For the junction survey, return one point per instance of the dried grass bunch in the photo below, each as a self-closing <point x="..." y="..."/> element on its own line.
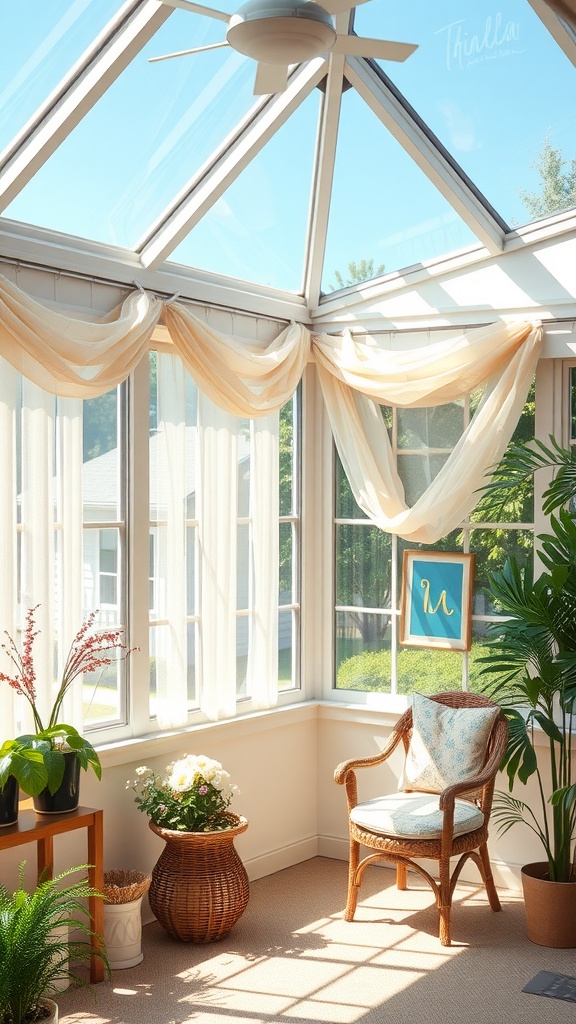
<point x="124" y="886"/>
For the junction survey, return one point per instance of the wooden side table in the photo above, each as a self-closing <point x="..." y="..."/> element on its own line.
<point x="41" y="829"/>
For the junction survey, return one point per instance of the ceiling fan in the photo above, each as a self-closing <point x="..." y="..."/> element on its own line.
<point x="277" y="33"/>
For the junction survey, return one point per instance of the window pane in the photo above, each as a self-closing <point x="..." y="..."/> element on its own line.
<point x="428" y="671"/>
<point x="286" y="452"/>
<point x="346" y="507"/>
<point x="101" y="695"/>
<point x="438" y="427"/>
<point x="243" y="567"/>
<point x="102" y="463"/>
<point x="242" y="640"/>
<point x="286" y="548"/>
<point x="363" y="566"/>
<point x="477" y="679"/>
<point x="417" y="473"/>
<point x="492" y="548"/>
<point x="363" y="660"/>
<point x="285" y="650"/>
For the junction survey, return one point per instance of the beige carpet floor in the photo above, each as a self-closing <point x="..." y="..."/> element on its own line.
<point x="292" y="959"/>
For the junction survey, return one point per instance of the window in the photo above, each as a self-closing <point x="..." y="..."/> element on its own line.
<point x="368" y="562"/>
<point x="211" y="490"/>
<point x="187" y="572"/>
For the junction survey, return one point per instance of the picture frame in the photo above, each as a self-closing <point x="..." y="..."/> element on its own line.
<point x="436" y="604"/>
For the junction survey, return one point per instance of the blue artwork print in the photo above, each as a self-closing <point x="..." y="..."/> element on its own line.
<point x="436" y="599"/>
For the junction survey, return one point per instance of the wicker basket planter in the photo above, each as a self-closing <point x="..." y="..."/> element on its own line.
<point x="199" y="885"/>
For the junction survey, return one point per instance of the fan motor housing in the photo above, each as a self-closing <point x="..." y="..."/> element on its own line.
<point x="285" y="32"/>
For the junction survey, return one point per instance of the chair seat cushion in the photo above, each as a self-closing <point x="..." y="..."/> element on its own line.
<point x="414" y="816"/>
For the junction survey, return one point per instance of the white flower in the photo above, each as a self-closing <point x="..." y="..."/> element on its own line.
<point x="143" y="770"/>
<point x="181" y="778"/>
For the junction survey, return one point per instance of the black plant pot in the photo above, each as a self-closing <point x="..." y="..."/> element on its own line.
<point x="9" y="802"/>
<point x="67" y="796"/>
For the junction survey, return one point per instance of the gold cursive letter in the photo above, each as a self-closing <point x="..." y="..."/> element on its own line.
<point x="428" y="607"/>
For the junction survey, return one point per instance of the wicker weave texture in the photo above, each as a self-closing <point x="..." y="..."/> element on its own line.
<point x="410" y="852"/>
<point x="199" y="885"/>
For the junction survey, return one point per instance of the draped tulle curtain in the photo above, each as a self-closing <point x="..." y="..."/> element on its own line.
<point x="356" y="376"/>
<point x="170" y="478"/>
<point x="41" y="533"/>
<point x="81" y="358"/>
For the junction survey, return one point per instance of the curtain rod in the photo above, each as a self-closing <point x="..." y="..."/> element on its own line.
<point x="446" y="327"/>
<point x="78" y="275"/>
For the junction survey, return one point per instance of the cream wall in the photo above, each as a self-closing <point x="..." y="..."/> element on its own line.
<point x="283" y="763"/>
<point x="272" y="760"/>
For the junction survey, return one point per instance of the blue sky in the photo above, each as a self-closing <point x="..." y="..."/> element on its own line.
<point x="487" y="78"/>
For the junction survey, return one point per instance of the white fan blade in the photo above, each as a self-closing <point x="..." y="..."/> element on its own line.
<point x="183" y="53"/>
<point x="355" y="46"/>
<point x="270" y="78"/>
<point x="337" y="6"/>
<point x="210" y="12"/>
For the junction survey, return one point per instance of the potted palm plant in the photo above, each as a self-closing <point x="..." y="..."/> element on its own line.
<point x="33" y="955"/>
<point x="531" y="672"/>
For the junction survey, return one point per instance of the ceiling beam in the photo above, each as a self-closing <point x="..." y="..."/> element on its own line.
<point x="322" y="184"/>
<point x="561" y="31"/>
<point x="100" y="65"/>
<point x="427" y="152"/>
<point x="226" y="163"/>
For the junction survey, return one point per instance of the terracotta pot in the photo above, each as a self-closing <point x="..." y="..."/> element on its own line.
<point x="9" y="802"/>
<point x="199" y="885"/>
<point x="550" y="908"/>
<point x="67" y="796"/>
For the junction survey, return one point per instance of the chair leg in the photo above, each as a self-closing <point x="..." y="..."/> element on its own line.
<point x="401" y="875"/>
<point x="444" y="903"/>
<point x="353" y="885"/>
<point x="486" y="872"/>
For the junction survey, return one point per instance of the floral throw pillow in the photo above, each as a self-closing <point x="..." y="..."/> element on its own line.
<point x="448" y="745"/>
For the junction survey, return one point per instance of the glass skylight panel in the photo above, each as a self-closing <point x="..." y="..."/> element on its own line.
<point x="257" y="230"/>
<point x="494" y="87"/>
<point x="144" y="140"/>
<point x="39" y="43"/>
<point x="385" y="214"/>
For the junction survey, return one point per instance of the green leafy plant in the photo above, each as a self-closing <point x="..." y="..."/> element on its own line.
<point x="33" y="956"/>
<point x="192" y="796"/>
<point x="91" y="649"/>
<point x="24" y="759"/>
<point x="532" y="660"/>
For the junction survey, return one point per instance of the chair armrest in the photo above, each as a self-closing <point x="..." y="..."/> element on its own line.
<point x="485" y="776"/>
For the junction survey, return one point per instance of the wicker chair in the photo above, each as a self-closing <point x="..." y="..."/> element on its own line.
<point x="477" y="791"/>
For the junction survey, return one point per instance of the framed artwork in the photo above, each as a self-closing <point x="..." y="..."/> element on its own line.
<point x="436" y="606"/>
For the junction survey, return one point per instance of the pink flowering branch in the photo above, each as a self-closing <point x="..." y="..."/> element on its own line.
<point x="90" y="650"/>
<point x="24" y="680"/>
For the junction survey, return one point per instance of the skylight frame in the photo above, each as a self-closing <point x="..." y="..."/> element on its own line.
<point x="114" y="48"/>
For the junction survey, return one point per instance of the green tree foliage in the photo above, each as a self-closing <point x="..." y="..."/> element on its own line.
<point x="357" y="273"/>
<point x="558" y="185"/>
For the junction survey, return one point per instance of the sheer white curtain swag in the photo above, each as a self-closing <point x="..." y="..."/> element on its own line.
<point x="70" y="356"/>
<point x="356" y="375"/>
